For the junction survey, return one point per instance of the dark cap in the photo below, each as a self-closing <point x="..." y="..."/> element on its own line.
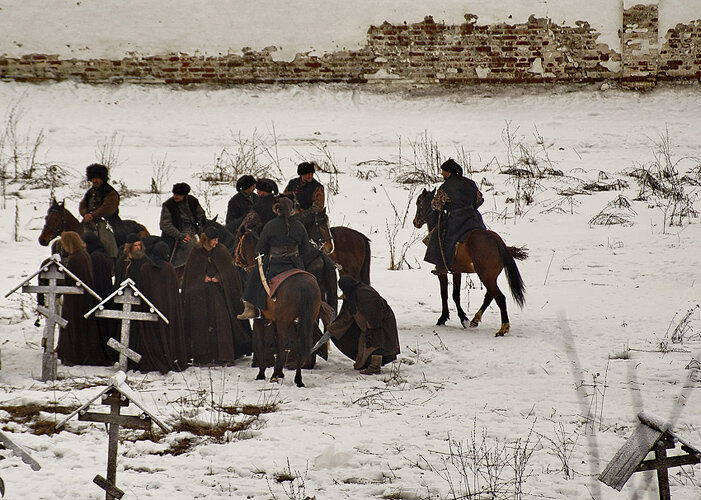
<point x="305" y="168"/>
<point x="96" y="171"/>
<point x="132" y="238"/>
<point x="181" y="188"/>
<point x="452" y="166"/>
<point x="244" y="182"/>
<point x="267" y="185"/>
<point x="211" y="232"/>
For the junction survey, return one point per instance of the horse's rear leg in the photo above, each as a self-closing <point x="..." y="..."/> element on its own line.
<point x="499" y="298"/>
<point x="478" y="315"/>
<point x="457" y="278"/>
<point x="443" y="280"/>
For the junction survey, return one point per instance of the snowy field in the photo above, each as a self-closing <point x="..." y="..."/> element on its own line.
<point x="611" y="321"/>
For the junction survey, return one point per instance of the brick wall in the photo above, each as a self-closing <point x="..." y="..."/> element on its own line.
<point x="425" y="52"/>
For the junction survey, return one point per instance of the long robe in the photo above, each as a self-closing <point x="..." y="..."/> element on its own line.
<point x="162" y="346"/>
<point x="210" y="309"/>
<point x="79" y="343"/>
<point x="102" y="266"/>
<point x="370" y="326"/>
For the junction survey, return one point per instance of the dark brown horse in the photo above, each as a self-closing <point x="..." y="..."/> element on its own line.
<point x="294" y="313"/>
<point x="351" y="250"/>
<point x="58" y="219"/>
<point x="484" y="253"/>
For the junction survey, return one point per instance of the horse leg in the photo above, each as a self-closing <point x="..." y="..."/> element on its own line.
<point x="279" y="372"/>
<point x="445" y="314"/>
<point x="478" y="315"/>
<point x="457" y="278"/>
<point x="493" y="290"/>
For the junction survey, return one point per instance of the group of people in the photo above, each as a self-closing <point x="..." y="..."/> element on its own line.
<point x="192" y="279"/>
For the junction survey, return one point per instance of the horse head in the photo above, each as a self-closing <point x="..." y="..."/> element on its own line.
<point x="245" y="252"/>
<point x="423" y="207"/>
<point x="54" y="222"/>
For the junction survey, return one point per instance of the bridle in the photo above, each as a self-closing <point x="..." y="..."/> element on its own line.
<point x="62" y="221"/>
<point x="240" y="258"/>
<point x="422" y="209"/>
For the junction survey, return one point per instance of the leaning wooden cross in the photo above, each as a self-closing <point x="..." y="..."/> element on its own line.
<point x="53" y="271"/>
<point x="128" y="295"/>
<point x="117" y="395"/>
<point x="653" y="434"/>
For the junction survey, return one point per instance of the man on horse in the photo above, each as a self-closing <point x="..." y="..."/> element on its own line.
<point x="310" y="197"/>
<point x="100" y="206"/>
<point x="262" y="210"/>
<point x="282" y="242"/>
<point x="240" y="204"/>
<point x="182" y="219"/>
<point x="457" y="199"/>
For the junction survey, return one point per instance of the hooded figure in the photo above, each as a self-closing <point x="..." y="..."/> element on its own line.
<point x="79" y="342"/>
<point x="241" y="203"/>
<point x="457" y="199"/>
<point x="100" y="206"/>
<point x="365" y="329"/>
<point x="211" y="297"/>
<point x="182" y="219"/>
<point x="162" y="346"/>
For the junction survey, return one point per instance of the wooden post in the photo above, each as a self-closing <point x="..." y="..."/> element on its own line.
<point x="115" y="406"/>
<point x="662" y="472"/>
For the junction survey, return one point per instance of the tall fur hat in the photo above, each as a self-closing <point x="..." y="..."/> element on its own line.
<point x="244" y="182"/>
<point x="181" y="188"/>
<point x="305" y="168"/>
<point x="452" y="166"/>
<point x="267" y="185"/>
<point x="96" y="170"/>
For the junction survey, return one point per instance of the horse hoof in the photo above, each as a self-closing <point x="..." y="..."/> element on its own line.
<point x="503" y="330"/>
<point x="441" y="321"/>
<point x="260" y="376"/>
<point x="473" y="324"/>
<point x="300" y="384"/>
<point x="274" y="380"/>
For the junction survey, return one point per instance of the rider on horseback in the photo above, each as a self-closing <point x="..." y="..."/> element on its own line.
<point x="240" y="204"/>
<point x="182" y="219"/>
<point x="458" y="199"/>
<point x="310" y="196"/>
<point x="282" y="242"/>
<point x="100" y="206"/>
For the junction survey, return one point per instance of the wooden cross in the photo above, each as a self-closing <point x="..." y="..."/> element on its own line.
<point x="53" y="271"/>
<point x="128" y="295"/>
<point x="117" y="395"/>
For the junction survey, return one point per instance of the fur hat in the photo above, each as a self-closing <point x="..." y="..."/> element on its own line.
<point x="267" y="185"/>
<point x="181" y="188"/>
<point x="96" y="170"/>
<point x="305" y="168"/>
<point x="244" y="182"/>
<point x="452" y="166"/>
<point x="211" y="232"/>
<point x="283" y="206"/>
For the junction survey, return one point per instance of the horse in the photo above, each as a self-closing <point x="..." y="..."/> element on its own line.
<point x="294" y="312"/>
<point x="351" y="250"/>
<point x="484" y="253"/>
<point x="58" y="219"/>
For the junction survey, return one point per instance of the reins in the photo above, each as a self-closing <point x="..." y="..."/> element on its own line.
<point x="240" y="258"/>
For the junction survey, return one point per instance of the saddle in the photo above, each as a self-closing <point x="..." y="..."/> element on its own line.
<point x="277" y="280"/>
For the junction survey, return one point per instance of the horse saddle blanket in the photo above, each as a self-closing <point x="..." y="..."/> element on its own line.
<point x="277" y="280"/>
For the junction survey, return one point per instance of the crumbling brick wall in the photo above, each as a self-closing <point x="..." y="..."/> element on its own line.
<point x="680" y="56"/>
<point x="639" y="45"/>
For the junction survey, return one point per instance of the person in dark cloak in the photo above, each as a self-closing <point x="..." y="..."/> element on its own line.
<point x="182" y="219"/>
<point x="262" y="210"/>
<point x="282" y="242"/>
<point x="457" y="199"/>
<point x="211" y="297"/>
<point x="241" y="203"/>
<point x="130" y="261"/>
<point x="79" y="343"/>
<point x="365" y="329"/>
<point x="100" y="206"/>
<point x="162" y="345"/>
<point x="311" y="200"/>
<point x="102" y="267"/>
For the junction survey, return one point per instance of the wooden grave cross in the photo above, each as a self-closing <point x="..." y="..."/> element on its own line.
<point x="53" y="271"/>
<point x="653" y="434"/>
<point x="117" y="395"/>
<point x="128" y="295"/>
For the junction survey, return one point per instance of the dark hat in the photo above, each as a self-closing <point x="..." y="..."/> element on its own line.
<point x="347" y="283"/>
<point x="244" y="182"/>
<point x="159" y="254"/>
<point x="96" y="170"/>
<point x="267" y="185"/>
<point x="211" y="232"/>
<point x="182" y="188"/>
<point x="305" y="168"/>
<point x="92" y="242"/>
<point x="451" y="166"/>
<point x="132" y="238"/>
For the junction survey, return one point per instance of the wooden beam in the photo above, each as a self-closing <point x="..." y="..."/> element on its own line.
<point x="132" y="421"/>
<point x="133" y="355"/>
<point x="110" y="488"/>
<point x="130" y="315"/>
<point x="60" y="289"/>
<point x="673" y="461"/>
<point x="52" y="316"/>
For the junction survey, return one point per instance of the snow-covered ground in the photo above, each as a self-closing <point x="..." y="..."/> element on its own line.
<point x="594" y="340"/>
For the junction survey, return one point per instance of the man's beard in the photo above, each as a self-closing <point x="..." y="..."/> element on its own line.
<point x="137" y="254"/>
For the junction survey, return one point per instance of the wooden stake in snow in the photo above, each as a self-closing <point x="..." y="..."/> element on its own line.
<point x="128" y="295"/>
<point x="117" y="395"/>
<point x="52" y="271"/>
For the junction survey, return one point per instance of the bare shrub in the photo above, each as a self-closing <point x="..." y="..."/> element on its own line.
<point x="161" y="172"/>
<point x="108" y="150"/>
<point x="398" y="248"/>
<point x="562" y="445"/>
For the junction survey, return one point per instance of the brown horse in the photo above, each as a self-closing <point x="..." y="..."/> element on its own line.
<point x="58" y="219"/>
<point x="484" y="253"/>
<point x="294" y="312"/>
<point x="351" y="250"/>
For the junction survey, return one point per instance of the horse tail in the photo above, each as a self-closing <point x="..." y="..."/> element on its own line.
<point x="306" y="322"/>
<point x="513" y="276"/>
<point x="330" y="283"/>
<point x="365" y="268"/>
